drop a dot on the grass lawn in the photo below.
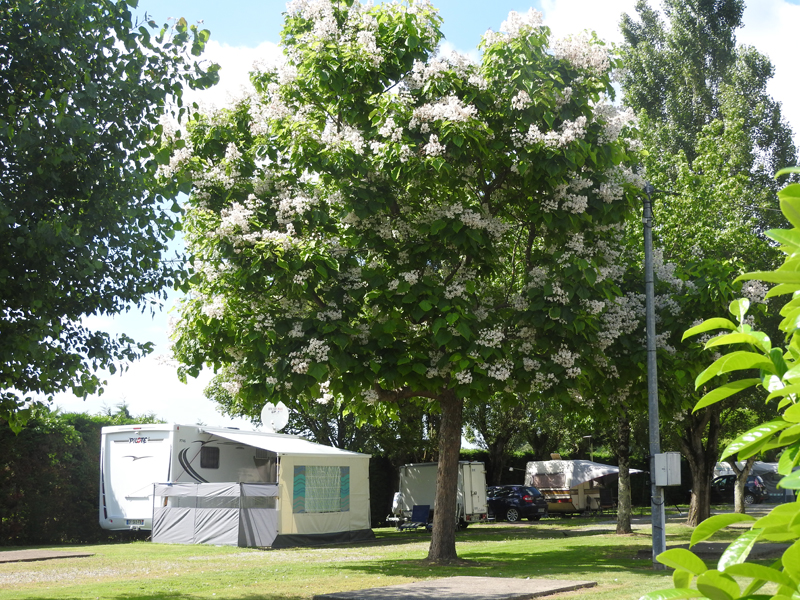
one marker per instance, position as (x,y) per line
(581,548)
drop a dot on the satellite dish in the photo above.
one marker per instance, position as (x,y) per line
(274,417)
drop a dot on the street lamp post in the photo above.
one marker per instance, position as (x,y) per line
(656,492)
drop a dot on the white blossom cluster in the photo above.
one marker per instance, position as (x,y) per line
(623,316)
(316,351)
(335,137)
(325,394)
(454,63)
(215,309)
(473,219)
(500,370)
(521,101)
(568,132)
(464,377)
(613,119)
(582,53)
(450,109)
(433,147)
(755,291)
(516,25)
(491,338)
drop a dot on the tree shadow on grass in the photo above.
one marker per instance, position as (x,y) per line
(578,562)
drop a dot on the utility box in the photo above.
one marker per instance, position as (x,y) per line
(667,469)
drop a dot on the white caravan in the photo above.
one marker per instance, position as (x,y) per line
(573,486)
(418,487)
(135,457)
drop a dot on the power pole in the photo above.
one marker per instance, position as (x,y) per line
(656,492)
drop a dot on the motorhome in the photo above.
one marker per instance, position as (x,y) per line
(307,479)
(574,486)
(418,488)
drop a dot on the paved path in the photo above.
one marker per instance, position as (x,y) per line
(30,555)
(464,588)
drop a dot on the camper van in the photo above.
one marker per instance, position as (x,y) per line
(305,480)
(418,488)
(574,486)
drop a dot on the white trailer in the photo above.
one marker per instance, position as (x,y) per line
(573,486)
(418,488)
(134,458)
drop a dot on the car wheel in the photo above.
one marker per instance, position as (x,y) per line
(749,499)
(512,515)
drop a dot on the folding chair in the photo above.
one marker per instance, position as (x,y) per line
(419,517)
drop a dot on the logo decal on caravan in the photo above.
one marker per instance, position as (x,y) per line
(187,466)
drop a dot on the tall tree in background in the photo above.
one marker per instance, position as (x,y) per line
(382,224)
(83,222)
(714,138)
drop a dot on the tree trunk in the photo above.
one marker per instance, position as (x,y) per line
(443,538)
(624,483)
(741,479)
(701,458)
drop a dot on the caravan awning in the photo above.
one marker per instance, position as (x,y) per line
(575,472)
(279,443)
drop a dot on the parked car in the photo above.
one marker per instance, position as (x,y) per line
(515,502)
(724,486)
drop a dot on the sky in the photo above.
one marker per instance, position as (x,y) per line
(243,31)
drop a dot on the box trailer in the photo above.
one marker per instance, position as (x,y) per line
(418,488)
(574,486)
(317,493)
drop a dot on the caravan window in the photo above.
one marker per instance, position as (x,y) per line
(209,457)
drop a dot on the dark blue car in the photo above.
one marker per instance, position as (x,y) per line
(515,502)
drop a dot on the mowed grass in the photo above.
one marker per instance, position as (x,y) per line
(574,549)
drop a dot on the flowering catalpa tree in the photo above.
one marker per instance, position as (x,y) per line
(380,223)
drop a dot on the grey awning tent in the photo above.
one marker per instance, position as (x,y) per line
(223,514)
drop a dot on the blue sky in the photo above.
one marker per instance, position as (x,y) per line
(243,30)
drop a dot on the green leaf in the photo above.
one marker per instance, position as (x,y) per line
(780,516)
(681,578)
(680,558)
(738,550)
(718,586)
(713,524)
(709,325)
(738,308)
(789,389)
(792,414)
(760,572)
(786,277)
(757,435)
(790,203)
(791,481)
(791,561)
(787,171)
(737,338)
(425,305)
(735,361)
(318,371)
(724,391)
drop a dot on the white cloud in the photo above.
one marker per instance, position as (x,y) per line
(770,26)
(565,17)
(235,66)
(151,387)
